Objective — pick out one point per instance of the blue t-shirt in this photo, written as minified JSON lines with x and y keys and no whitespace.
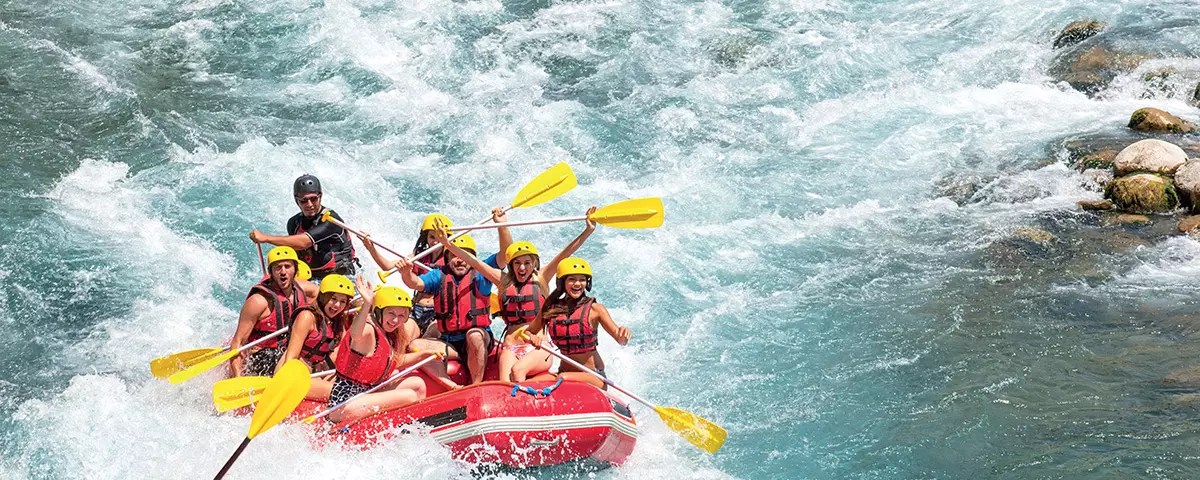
{"x":433,"y":279}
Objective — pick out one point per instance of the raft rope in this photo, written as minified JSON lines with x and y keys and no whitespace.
{"x":545,"y":392}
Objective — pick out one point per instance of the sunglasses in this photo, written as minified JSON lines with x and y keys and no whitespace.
{"x":308,"y":199}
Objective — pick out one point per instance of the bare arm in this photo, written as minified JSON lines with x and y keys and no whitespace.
{"x":499,"y":216}
{"x":380,"y":260}
{"x":299,"y":241}
{"x":310,"y":289}
{"x":492,"y":274}
{"x":301,"y":327}
{"x":362,"y":336}
{"x":600,"y":315}
{"x":410,"y":278}
{"x":549,"y":269}
{"x":252,"y":310}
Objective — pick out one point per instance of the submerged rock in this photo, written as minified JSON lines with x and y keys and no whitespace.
{"x":1096,"y":205}
{"x":1035,"y":236}
{"x":1149,"y":155}
{"x":1153,"y":120}
{"x":1099,"y":160}
{"x":1143,"y":193}
{"x":1189,"y":376}
{"x":1189,"y":223}
{"x":1090,"y":69}
{"x":1127,"y":219}
{"x":1187,"y":182}
{"x":1077,"y":31}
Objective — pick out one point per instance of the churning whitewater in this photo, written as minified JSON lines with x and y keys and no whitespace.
{"x":854,"y":277}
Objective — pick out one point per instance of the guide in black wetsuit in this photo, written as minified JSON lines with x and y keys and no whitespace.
{"x":325,"y":247}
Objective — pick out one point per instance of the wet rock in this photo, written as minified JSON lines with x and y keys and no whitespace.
{"x":1099,"y":160}
{"x":1153,"y":120}
{"x":960,"y":188}
{"x":1096,"y":205}
{"x":1189,"y":376}
{"x":1159,"y":83}
{"x":1195,"y":100}
{"x":1127,"y":219}
{"x":1189,"y":223}
{"x":1149,"y":155}
{"x":1077,"y":31}
{"x":1187,"y":182}
{"x":1143,"y":193}
{"x":1090,"y":69}
{"x":1035,"y":236}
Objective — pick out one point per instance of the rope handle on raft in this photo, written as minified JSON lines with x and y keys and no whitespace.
{"x":545,"y":392}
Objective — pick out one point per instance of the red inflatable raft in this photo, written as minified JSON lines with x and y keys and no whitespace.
{"x":534,"y":424}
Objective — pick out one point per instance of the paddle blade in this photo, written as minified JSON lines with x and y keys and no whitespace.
{"x":551,"y":184}
{"x":164,"y":367}
{"x":238,"y":392}
{"x":283,"y":394}
{"x":201,"y":367}
{"x":697,"y":431}
{"x":636,"y":213}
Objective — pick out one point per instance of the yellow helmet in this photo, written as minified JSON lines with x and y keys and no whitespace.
{"x":519,"y":249}
{"x":392,"y":297}
{"x":337,"y":284}
{"x":282,"y":253}
{"x":303,"y":272}
{"x":574,"y":266}
{"x":427,"y":224}
{"x":465,"y":242}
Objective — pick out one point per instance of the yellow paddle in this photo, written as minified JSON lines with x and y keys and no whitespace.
{"x":238,"y":392}
{"x":636,"y":213}
{"x":702,"y":433}
{"x":210,"y":362}
{"x":551,"y":184}
{"x":163,"y":367}
{"x":282,"y":395}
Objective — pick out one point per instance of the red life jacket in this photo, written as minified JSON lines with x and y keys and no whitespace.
{"x":437,"y":264}
{"x":573,"y":333}
{"x":321,"y":339}
{"x":459,"y":307}
{"x":520,"y":304}
{"x":367,"y":371}
{"x":283,"y":309}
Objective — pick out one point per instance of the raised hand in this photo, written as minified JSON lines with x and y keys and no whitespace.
{"x":591,"y":224}
{"x":499,"y":215}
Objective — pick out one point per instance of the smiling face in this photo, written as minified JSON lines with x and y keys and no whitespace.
{"x":576,"y":285}
{"x":458,"y":266}
{"x":310,"y":204}
{"x":282,"y":273}
{"x":336,"y":305}
{"x":393,"y":317}
{"x":522,"y":267}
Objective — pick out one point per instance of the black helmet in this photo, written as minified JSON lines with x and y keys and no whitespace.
{"x":306,"y":184}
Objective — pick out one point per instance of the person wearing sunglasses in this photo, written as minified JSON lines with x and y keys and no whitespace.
{"x":325,"y":247}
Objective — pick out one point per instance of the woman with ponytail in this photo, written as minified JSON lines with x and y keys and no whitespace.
{"x":571,"y":318}
{"x":376,"y":346}
{"x":316,"y":330}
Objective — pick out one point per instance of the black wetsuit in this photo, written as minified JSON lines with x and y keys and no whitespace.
{"x":331,"y":252}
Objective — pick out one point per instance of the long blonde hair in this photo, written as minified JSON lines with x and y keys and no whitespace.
{"x":510,"y":277}
{"x":397,"y":338}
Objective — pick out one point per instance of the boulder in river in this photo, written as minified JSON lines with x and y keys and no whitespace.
{"x":1153,"y":120}
{"x":1096,"y":205}
{"x":1090,"y":68}
{"x":1149,"y":155}
{"x":1077,"y":31}
{"x":1143,"y":193}
{"x":1189,"y":223}
{"x":1187,"y":182}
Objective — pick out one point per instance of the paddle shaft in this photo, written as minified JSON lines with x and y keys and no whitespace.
{"x":335,"y":221}
{"x":263,"y":339}
{"x":580,"y":366}
{"x":377,"y":387}
{"x":236,"y":453}
{"x":520,"y":224}
{"x":261,"y":261}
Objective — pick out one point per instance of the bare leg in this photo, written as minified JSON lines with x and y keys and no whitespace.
{"x":507,"y":360}
{"x":407,"y":391}
{"x":532,"y":363}
{"x":477,"y":356}
{"x":585,"y":378}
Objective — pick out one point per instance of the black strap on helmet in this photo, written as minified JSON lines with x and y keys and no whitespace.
{"x":306,"y":184}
